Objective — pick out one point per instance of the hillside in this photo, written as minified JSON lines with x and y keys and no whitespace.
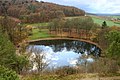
{"x":111,"y":19}
{"x":34,"y":11}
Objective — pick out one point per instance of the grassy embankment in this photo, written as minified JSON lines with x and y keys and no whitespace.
{"x":115,"y":16}
{"x":37,"y":24}
{"x":100,"y":21}
{"x":58,"y":77}
{"x":37,"y":34}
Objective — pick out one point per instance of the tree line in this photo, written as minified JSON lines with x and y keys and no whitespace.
{"x":81,"y":26}
{"x":30,"y":12}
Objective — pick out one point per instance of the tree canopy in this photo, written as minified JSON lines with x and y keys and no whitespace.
{"x":6,"y":74}
{"x":8,"y":56}
{"x":113,"y":50}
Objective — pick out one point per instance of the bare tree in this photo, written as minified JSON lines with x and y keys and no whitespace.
{"x":39,"y":59}
{"x":82,"y":61}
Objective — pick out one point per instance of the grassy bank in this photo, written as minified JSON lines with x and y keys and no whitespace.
{"x":58,"y":77}
{"x":100,"y":21}
{"x":37,"y":24}
{"x":115,"y":16}
{"x":36,"y":34}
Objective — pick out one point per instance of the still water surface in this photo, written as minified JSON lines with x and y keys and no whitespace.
{"x":65,"y":52}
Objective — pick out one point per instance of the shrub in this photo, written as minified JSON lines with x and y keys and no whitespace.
{"x":6,"y":74}
{"x":103,"y":66}
{"x":66,"y":70}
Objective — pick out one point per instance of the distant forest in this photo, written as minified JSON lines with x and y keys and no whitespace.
{"x":32,"y":11}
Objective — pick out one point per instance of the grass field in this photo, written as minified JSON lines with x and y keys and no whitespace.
{"x":37,"y":24}
{"x":115,"y":16}
{"x":36,"y":34}
{"x":73,"y":17}
{"x":100,"y":21}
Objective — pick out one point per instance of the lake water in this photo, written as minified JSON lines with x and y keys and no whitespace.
{"x":64,"y":52}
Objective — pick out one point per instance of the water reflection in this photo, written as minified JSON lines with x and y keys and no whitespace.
{"x":65,"y":52}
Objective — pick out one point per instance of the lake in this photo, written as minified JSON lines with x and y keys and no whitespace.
{"x":64,"y":52}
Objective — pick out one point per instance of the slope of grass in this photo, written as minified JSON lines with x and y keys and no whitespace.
{"x":36,"y":34}
{"x":100,"y":21}
{"x":59,"y":77}
{"x":115,"y":16}
{"x":37,"y":24}
{"x":74,"y":17}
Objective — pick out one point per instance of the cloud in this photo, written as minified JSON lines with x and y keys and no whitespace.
{"x":56,"y":58}
{"x":90,"y":60}
{"x":105,"y":6}
{"x":60,"y":58}
{"x":73,"y":62}
{"x":95,"y":6}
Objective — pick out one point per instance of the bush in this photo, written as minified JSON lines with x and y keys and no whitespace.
{"x":7,"y":52}
{"x":8,"y":57}
{"x":103,"y":66}
{"x":6,"y":74}
{"x":66,"y":70}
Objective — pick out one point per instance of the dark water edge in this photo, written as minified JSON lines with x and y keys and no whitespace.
{"x":64,"y":52}
{"x":77,"y":46}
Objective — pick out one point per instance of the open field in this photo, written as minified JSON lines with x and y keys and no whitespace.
{"x":100,"y":21}
{"x":115,"y":16}
{"x":37,"y":24}
{"x":73,"y":17}
{"x":36,"y":34}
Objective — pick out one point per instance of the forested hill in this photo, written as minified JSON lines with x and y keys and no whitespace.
{"x":41,"y":11}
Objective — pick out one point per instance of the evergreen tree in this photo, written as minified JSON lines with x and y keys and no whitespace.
{"x":6,"y":74}
{"x":113,"y":50}
{"x":8,"y":56}
{"x":104,"y":24}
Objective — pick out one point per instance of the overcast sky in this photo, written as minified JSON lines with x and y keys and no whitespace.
{"x":92,"y":6}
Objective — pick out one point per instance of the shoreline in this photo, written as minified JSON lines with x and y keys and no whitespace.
{"x":87,"y":41}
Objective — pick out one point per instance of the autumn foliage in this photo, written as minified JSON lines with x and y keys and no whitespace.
{"x":33,"y":11}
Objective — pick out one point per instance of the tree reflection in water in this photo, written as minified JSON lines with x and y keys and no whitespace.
{"x":68,"y":51}
{"x":76,"y":46}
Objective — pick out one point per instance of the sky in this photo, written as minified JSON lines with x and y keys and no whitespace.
{"x":59,"y":58}
{"x":91,"y":6}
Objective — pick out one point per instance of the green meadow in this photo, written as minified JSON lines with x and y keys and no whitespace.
{"x":37,"y":24}
{"x":115,"y":16}
{"x":36,"y":34}
{"x":100,"y":21}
